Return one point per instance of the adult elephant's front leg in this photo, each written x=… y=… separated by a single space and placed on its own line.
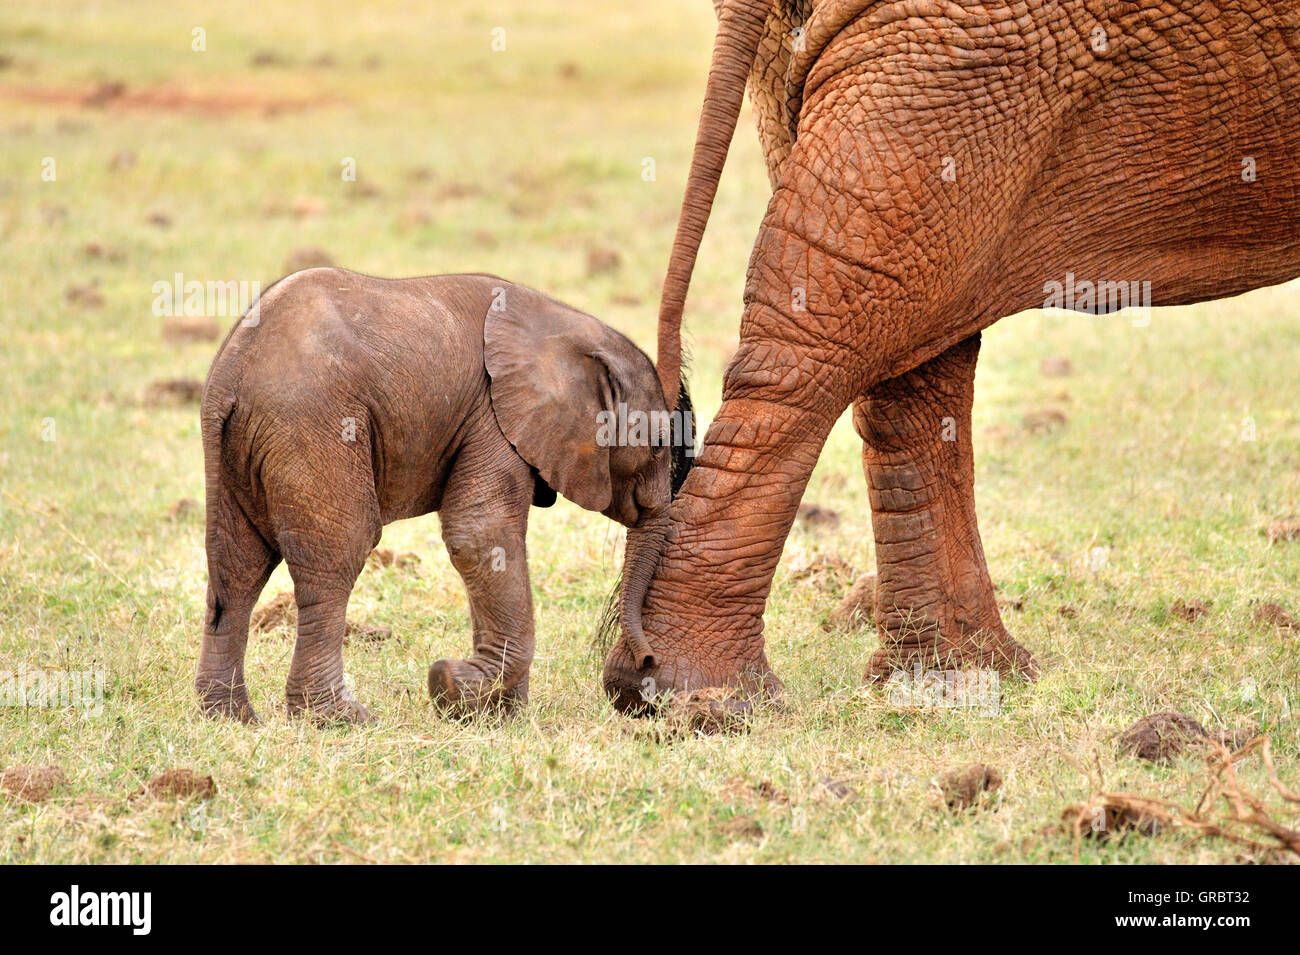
x=934 y=600
x=704 y=609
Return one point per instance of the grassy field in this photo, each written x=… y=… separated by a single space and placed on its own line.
x=1174 y=446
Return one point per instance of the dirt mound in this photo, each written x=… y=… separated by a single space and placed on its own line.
x=602 y=259
x=279 y=611
x=174 y=392
x=1160 y=737
x=1113 y=815
x=282 y=611
x=184 y=329
x=306 y=257
x=1055 y=366
x=857 y=607
x=964 y=787
x=1043 y=420
x=1282 y=531
x=814 y=516
x=708 y=711
x=382 y=557
x=32 y=783
x=179 y=784
x=116 y=95
x=184 y=509
x=87 y=296
x=1190 y=610
x=836 y=787
x=1275 y=615
x=741 y=827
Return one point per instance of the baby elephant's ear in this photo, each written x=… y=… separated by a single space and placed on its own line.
x=550 y=385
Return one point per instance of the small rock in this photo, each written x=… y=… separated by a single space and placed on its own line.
x=179 y=784
x=306 y=257
x=858 y=606
x=175 y=392
x=1055 y=366
x=183 y=329
x=32 y=783
x=963 y=788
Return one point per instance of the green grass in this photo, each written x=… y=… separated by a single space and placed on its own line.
x=521 y=163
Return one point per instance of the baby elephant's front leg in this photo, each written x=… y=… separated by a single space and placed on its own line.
x=486 y=545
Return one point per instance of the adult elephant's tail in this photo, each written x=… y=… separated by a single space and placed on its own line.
x=740 y=27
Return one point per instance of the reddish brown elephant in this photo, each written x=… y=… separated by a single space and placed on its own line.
x=938 y=165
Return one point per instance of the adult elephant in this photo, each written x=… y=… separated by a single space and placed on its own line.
x=938 y=164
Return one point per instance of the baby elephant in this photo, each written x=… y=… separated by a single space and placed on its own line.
x=342 y=402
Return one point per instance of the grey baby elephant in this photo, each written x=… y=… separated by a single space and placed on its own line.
x=342 y=402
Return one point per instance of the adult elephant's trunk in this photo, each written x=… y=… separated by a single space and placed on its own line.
x=645 y=545
x=740 y=26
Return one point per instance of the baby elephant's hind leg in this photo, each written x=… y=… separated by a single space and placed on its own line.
x=484 y=524
x=239 y=563
x=325 y=557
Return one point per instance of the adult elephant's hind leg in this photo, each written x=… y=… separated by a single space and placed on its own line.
x=934 y=599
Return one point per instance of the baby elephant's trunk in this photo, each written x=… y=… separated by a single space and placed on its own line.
x=645 y=545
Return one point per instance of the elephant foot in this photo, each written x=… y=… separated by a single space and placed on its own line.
x=461 y=689
x=649 y=691
x=226 y=701
x=324 y=707
x=984 y=650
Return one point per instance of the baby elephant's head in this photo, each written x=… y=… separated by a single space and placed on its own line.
x=584 y=407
